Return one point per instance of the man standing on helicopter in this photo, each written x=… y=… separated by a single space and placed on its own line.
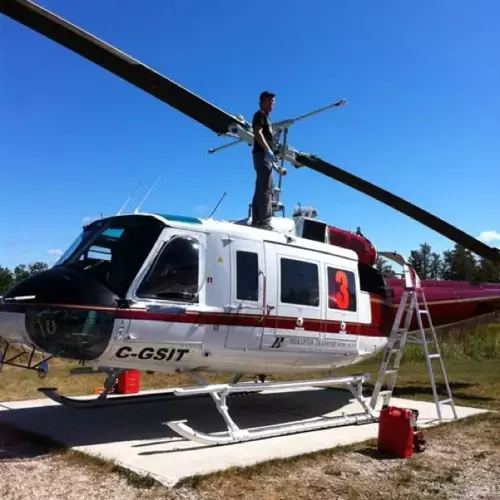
x=263 y=161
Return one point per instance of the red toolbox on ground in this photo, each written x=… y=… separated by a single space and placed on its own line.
x=129 y=382
x=396 y=431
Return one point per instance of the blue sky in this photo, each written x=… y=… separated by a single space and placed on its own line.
x=421 y=81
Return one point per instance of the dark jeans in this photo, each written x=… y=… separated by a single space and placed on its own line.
x=263 y=195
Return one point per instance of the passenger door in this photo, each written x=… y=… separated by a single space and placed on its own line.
x=295 y=278
x=247 y=271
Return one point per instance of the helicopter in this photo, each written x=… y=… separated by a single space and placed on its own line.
x=174 y=293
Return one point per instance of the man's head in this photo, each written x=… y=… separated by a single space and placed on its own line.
x=267 y=100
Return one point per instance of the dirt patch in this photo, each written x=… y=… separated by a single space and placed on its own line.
x=462 y=461
x=30 y=468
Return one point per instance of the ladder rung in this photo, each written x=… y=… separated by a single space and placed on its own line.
x=445 y=402
x=384 y=393
x=391 y=372
x=423 y=311
x=413 y=340
x=433 y=356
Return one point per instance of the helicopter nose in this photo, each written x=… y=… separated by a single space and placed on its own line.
x=61 y=312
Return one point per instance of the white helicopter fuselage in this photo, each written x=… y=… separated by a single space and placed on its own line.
x=200 y=295
x=262 y=305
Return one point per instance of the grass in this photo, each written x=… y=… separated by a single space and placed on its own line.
x=473 y=368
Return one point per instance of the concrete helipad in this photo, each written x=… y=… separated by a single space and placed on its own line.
x=135 y=436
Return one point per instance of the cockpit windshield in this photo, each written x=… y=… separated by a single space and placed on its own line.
x=113 y=250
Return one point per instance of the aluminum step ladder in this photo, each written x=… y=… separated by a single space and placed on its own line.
x=399 y=337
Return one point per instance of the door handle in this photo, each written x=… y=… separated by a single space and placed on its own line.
x=265 y=308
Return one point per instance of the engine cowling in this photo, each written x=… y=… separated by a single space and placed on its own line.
x=366 y=251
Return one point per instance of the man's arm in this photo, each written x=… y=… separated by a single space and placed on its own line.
x=257 y=125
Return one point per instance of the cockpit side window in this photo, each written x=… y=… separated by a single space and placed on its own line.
x=174 y=274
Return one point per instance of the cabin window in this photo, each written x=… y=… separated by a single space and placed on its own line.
x=371 y=280
x=299 y=282
x=247 y=276
x=341 y=289
x=175 y=273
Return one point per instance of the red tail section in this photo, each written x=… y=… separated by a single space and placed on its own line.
x=449 y=301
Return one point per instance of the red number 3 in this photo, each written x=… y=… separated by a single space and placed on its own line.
x=342 y=296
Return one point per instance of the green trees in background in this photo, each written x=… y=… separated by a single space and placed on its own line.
x=11 y=277
x=456 y=264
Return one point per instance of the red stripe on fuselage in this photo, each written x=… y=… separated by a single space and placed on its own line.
x=239 y=320
x=443 y=311
x=250 y=321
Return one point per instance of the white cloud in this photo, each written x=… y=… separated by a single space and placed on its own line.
x=56 y=252
x=88 y=219
x=488 y=236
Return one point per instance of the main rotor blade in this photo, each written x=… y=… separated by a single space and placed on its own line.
x=217 y=120
x=115 y=61
x=403 y=206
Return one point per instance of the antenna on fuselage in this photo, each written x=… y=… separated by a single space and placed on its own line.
x=128 y=199
x=217 y=206
x=147 y=195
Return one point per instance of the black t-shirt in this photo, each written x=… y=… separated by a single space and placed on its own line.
x=261 y=120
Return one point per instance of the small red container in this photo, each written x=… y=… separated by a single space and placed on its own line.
x=129 y=382
x=395 y=432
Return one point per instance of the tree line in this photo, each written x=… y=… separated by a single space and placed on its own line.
x=456 y=264
x=10 y=277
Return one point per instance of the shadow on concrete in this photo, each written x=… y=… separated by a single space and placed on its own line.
x=145 y=421
x=18 y=445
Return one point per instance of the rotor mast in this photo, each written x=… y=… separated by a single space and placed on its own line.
x=243 y=134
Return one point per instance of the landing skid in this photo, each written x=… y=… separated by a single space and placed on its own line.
x=219 y=393
x=107 y=399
